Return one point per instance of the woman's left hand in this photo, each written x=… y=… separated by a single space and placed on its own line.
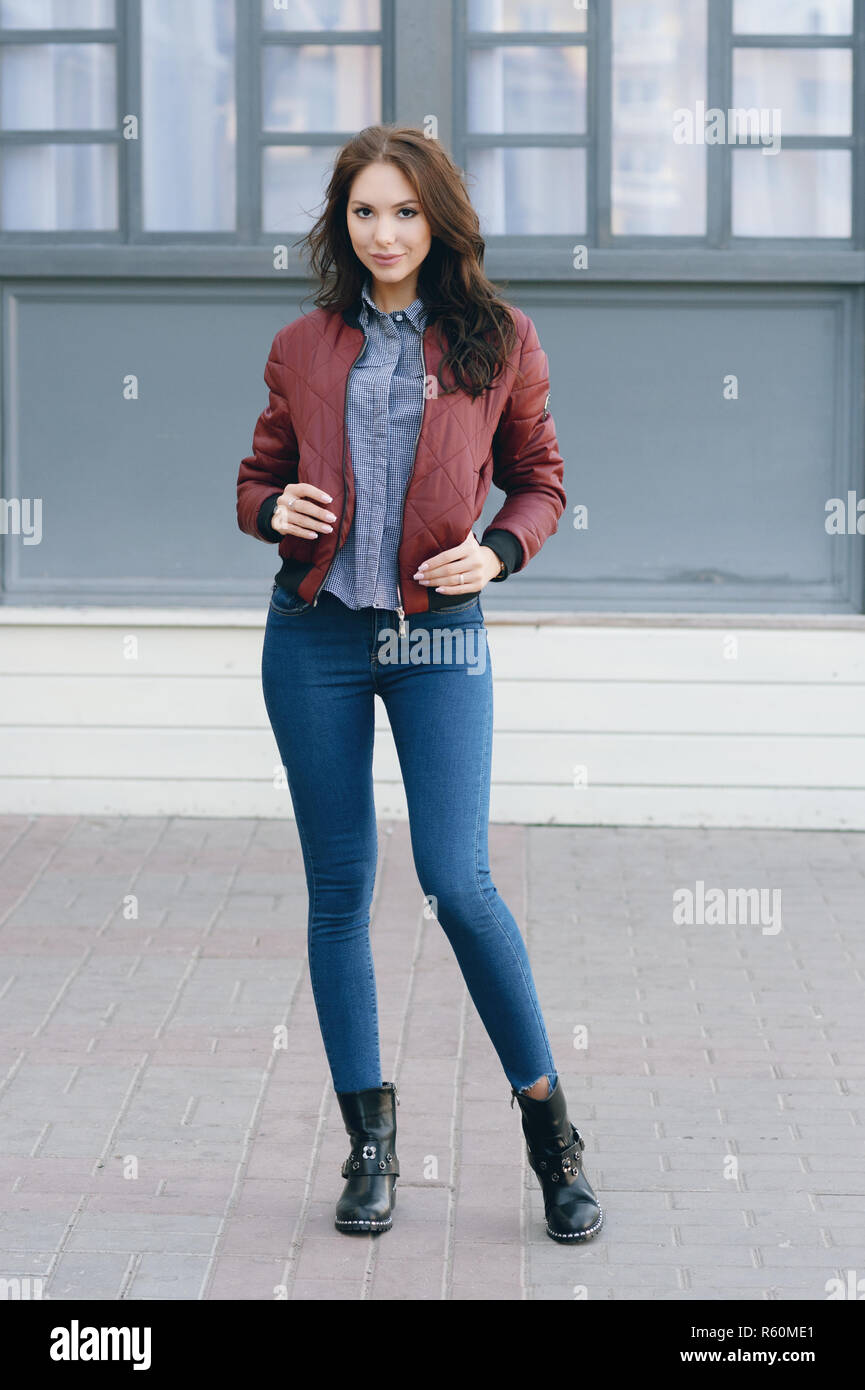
x=477 y=564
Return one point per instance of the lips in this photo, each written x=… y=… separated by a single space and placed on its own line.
x=387 y=260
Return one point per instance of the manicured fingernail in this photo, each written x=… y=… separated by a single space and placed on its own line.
x=422 y=566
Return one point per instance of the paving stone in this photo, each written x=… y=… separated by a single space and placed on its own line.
x=154 y=1039
x=168 y=1276
x=82 y=1276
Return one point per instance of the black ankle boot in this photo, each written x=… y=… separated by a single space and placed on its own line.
x=555 y=1151
x=371 y=1168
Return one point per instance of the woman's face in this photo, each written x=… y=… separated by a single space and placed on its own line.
x=388 y=230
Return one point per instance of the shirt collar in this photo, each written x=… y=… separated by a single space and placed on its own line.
x=415 y=313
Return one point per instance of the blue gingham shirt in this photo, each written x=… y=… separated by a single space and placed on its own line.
x=383 y=418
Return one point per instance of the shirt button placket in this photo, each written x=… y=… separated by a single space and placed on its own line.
x=391 y=358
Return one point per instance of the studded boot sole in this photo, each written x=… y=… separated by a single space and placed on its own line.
x=555 y=1153
x=372 y=1167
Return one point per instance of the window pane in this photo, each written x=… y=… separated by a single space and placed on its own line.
x=501 y=16
x=794 y=193
x=321 y=14
x=58 y=188
x=58 y=86
x=659 y=68
x=188 y=115
x=521 y=90
x=793 y=16
x=528 y=192
x=293 y=183
x=57 y=14
x=318 y=87
x=811 y=87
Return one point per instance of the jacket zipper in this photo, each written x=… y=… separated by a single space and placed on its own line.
x=400 y=610
x=344 y=490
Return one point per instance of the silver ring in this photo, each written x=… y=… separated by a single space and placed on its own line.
x=290 y=502
x=461 y=579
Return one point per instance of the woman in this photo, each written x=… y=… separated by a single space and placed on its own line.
x=393 y=406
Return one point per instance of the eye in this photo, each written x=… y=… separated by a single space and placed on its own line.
x=412 y=212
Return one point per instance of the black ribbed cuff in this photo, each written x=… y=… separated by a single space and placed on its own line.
x=508 y=549
x=262 y=521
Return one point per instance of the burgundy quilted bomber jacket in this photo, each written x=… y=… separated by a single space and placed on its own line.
x=505 y=436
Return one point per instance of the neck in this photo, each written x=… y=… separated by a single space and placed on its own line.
x=389 y=298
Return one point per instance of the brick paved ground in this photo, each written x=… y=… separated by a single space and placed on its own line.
x=155 y=1144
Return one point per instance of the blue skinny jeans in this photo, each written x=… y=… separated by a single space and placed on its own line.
x=321 y=668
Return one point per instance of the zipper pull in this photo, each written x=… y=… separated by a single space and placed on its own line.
x=400 y=610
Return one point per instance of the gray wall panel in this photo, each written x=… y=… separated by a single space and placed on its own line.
x=695 y=503
x=138 y=495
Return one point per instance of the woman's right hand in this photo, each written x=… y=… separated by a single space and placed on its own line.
x=299 y=518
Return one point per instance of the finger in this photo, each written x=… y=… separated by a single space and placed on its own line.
x=282 y=521
x=437 y=568
x=298 y=502
x=446 y=557
x=471 y=587
x=301 y=534
x=305 y=518
x=321 y=513
x=447 y=574
x=308 y=490
x=471 y=579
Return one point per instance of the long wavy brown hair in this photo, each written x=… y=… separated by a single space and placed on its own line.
x=477 y=326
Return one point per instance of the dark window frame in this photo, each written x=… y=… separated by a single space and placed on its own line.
x=721 y=43
x=251 y=38
x=435 y=47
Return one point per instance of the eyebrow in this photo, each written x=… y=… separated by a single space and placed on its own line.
x=360 y=202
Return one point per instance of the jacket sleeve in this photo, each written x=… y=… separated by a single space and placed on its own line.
x=273 y=462
x=527 y=465
x=508 y=549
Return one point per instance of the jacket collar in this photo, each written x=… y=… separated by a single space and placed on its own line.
x=351 y=315
x=365 y=304
x=415 y=313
